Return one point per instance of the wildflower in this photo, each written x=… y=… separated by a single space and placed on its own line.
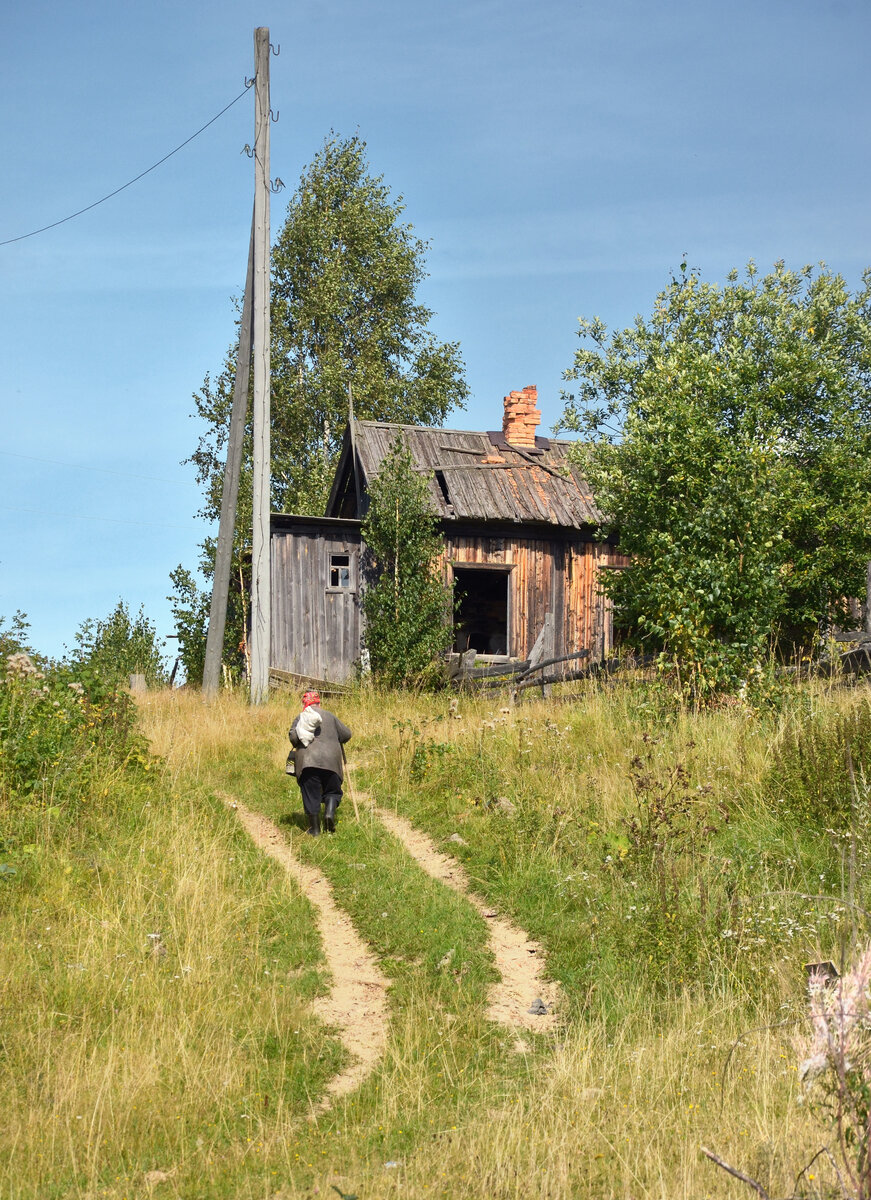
x=21 y=664
x=838 y=1015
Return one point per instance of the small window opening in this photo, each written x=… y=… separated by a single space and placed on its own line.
x=443 y=487
x=340 y=570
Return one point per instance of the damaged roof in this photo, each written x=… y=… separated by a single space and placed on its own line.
x=473 y=476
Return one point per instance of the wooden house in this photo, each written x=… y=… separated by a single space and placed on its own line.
x=520 y=546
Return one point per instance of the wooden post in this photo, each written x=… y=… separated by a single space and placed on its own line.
x=543 y=648
x=547 y=649
x=260 y=591
x=230 y=494
x=353 y=434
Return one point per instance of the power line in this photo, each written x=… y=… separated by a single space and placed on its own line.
x=54 y=462
x=39 y=512
x=21 y=237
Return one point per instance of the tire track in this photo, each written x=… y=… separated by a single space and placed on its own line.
x=519 y=960
x=357 y=1003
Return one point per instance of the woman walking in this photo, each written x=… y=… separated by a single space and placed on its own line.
x=318 y=736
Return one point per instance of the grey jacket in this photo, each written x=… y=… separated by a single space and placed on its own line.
x=325 y=750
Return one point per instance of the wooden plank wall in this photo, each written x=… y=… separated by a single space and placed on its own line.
x=558 y=576
x=315 y=631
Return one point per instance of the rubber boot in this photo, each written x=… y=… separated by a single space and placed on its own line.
x=330 y=806
x=314 y=824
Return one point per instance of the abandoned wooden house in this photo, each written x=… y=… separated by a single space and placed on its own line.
x=520 y=546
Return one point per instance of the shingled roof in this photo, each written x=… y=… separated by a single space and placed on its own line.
x=473 y=476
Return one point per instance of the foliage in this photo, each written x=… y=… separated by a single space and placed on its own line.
x=14 y=635
x=731 y=448
x=345 y=272
x=190 y=610
x=407 y=607
x=58 y=723
x=121 y=646
x=822 y=765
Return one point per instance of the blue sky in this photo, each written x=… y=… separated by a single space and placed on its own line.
x=560 y=157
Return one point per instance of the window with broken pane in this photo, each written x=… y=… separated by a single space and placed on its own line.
x=340 y=571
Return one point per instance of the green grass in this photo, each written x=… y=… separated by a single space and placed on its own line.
x=124 y=1052
x=160 y=1063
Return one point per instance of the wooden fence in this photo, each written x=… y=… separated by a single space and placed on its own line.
x=520 y=675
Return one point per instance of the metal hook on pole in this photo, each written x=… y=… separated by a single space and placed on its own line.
x=274 y=115
x=249 y=83
x=276 y=50
x=246 y=149
x=277 y=185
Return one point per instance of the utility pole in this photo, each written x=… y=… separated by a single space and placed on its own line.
x=230 y=494
x=260 y=590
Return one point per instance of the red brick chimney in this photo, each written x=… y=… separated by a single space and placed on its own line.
x=521 y=418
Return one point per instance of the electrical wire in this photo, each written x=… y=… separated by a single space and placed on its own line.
x=54 y=462
x=21 y=237
x=40 y=512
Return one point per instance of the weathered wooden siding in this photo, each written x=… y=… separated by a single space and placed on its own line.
x=315 y=629
x=547 y=575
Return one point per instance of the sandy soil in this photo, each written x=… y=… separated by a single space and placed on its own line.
x=519 y=960
x=357 y=1003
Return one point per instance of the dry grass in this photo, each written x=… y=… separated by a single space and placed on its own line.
x=122 y=1063
x=157 y=980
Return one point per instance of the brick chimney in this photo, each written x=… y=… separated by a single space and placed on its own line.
x=521 y=418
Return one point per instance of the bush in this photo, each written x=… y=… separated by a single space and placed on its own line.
x=14 y=635
x=121 y=646
x=56 y=724
x=823 y=765
x=190 y=608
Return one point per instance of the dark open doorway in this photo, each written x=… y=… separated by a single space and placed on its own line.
x=480 y=610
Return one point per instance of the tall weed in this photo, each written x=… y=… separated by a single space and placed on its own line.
x=823 y=751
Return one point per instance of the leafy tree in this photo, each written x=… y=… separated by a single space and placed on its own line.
x=190 y=610
x=731 y=448
x=15 y=635
x=345 y=270
x=407 y=607
x=120 y=646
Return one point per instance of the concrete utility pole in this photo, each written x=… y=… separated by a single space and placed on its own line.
x=260 y=597
x=230 y=494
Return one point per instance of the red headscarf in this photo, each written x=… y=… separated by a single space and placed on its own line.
x=310 y=698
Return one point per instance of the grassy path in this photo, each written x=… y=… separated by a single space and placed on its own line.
x=519 y=960
x=356 y=1005
x=616 y=1097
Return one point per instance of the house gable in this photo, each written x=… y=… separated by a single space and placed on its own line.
x=520 y=544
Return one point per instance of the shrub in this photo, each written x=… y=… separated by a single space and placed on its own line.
x=121 y=646
x=823 y=764
x=56 y=723
x=14 y=635
x=190 y=608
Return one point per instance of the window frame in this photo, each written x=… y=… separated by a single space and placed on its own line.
x=351 y=588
